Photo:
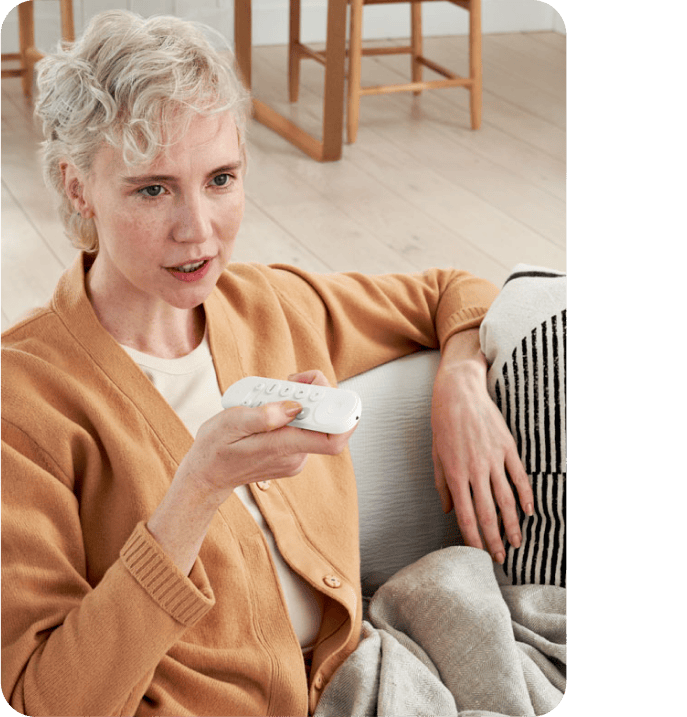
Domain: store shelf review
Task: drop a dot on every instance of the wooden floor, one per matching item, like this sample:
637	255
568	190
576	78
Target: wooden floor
418	188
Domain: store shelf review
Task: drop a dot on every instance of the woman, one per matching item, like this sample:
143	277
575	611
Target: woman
160	555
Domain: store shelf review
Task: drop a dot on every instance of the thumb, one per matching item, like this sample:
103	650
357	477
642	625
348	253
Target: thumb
268	417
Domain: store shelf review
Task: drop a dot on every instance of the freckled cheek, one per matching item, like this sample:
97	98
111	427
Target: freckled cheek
136	237
231	221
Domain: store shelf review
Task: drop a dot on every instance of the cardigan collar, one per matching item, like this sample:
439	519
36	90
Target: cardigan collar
70	302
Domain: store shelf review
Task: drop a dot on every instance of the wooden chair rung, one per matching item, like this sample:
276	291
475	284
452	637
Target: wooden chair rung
415	86
355	51
307	52
439	69
396	50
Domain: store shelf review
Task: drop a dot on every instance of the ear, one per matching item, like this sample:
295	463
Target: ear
74	188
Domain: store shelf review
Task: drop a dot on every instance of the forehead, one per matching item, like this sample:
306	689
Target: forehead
188	143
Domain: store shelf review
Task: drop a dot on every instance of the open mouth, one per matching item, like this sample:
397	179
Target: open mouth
191	271
189	268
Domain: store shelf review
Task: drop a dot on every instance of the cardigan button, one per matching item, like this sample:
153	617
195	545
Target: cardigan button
332	581
263	484
319	681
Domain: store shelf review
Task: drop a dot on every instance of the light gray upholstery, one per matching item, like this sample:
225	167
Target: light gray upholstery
401	518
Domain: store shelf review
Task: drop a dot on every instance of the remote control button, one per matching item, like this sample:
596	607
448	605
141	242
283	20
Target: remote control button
303	414
259	386
300	393
286	391
272	387
317	394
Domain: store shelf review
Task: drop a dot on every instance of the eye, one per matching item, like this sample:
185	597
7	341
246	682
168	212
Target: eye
221	180
154	190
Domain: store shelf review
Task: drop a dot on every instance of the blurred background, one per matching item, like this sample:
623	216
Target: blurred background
418	188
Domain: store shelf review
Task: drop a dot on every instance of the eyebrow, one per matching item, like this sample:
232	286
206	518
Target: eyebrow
168	178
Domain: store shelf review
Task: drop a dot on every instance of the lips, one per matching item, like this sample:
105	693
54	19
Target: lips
188	268
191	271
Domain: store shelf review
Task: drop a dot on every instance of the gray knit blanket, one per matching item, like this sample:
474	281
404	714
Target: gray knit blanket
450	635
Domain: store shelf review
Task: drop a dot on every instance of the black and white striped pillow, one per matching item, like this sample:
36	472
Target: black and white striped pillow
524	339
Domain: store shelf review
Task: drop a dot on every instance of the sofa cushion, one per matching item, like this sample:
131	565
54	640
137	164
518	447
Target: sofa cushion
401	518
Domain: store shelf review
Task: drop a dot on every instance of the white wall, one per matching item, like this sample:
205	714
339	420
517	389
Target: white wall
270	18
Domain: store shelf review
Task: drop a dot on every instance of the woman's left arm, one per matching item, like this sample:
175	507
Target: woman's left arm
473	450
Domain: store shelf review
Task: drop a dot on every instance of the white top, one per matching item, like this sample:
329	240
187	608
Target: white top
189	385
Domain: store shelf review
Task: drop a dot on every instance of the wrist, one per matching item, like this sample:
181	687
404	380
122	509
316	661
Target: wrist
462	355
182	519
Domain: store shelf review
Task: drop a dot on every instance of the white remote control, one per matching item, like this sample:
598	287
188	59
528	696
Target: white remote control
325	409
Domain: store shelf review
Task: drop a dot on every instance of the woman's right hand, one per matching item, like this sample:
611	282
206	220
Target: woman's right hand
237	446
244	445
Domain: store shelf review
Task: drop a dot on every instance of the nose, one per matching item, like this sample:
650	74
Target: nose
193	220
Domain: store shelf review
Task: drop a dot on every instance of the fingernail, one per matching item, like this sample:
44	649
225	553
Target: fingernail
529	509
514	540
499	558
291	408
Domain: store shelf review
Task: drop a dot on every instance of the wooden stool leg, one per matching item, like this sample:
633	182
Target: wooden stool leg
416	42
355	52
476	63
26	42
294	53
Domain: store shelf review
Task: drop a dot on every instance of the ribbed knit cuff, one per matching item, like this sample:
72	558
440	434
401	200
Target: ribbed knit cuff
469	318
186	599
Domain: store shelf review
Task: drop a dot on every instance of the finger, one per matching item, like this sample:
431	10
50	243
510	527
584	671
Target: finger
314	377
440	482
465	515
488	521
508	511
521	480
299	440
267	418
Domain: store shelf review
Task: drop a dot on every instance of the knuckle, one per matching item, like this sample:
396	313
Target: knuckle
319	378
466	521
475	465
488	521
295	464
506	501
336	444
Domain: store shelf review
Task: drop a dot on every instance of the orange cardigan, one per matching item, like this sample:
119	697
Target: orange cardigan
96	620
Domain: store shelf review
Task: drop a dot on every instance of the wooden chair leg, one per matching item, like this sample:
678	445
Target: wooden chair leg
476	63
294	54
355	51
416	42
67	20
243	23
26	43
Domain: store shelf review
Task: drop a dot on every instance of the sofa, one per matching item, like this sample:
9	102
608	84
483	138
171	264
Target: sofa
446	631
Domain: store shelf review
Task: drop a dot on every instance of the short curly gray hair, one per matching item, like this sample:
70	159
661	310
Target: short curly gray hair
120	83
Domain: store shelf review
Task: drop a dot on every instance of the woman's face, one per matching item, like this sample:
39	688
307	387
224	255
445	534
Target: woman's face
166	230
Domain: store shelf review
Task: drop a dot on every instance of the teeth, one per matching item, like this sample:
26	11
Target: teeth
188	268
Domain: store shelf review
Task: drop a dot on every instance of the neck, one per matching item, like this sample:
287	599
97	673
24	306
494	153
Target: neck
157	328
